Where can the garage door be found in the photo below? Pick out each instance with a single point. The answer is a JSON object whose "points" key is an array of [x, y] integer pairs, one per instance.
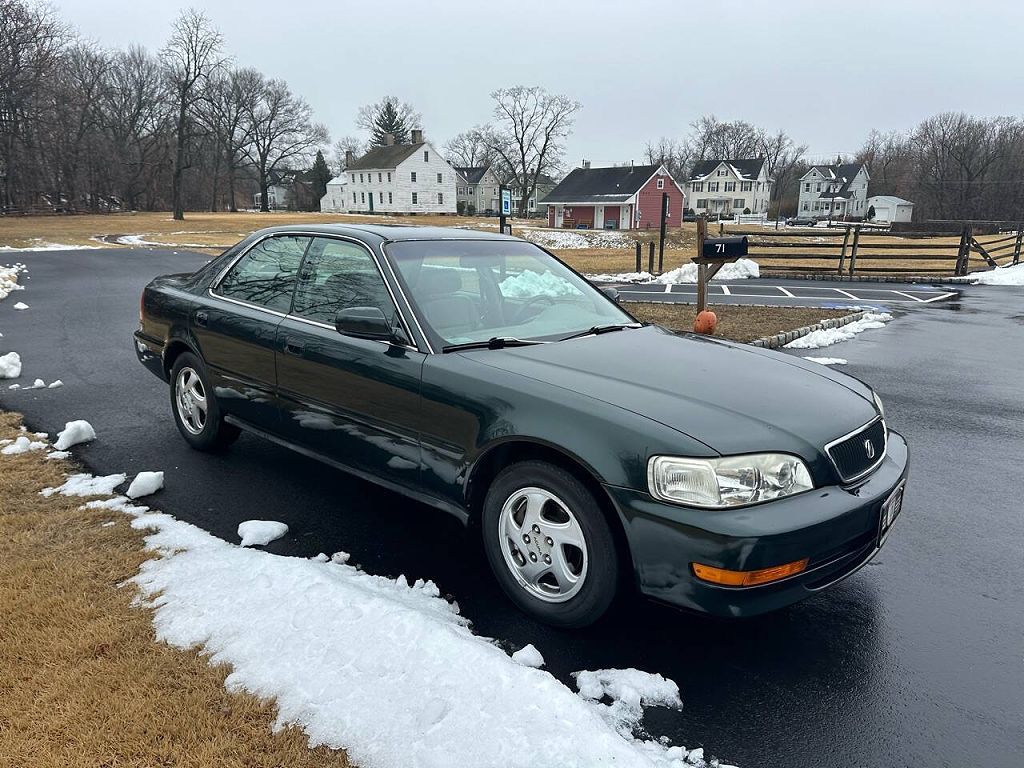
{"points": [[883, 213]]}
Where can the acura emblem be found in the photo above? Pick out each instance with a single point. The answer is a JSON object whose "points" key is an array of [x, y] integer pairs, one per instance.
{"points": [[869, 449]]}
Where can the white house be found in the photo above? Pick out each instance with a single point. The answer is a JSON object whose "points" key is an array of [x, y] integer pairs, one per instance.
{"points": [[401, 178], [834, 191], [889, 208], [335, 200], [728, 187]]}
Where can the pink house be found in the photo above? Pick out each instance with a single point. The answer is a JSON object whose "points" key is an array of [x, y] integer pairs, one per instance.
{"points": [[627, 197]]}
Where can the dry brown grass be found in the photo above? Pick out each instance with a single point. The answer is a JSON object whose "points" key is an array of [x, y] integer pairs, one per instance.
{"points": [[739, 323], [82, 680]]}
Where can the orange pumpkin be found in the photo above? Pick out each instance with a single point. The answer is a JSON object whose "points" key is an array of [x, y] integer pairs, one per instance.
{"points": [[706, 322]]}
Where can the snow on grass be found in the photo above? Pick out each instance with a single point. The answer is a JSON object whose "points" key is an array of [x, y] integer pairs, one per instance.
{"points": [[84, 484], [575, 239], [144, 484], [742, 269], [1010, 275], [139, 241], [10, 365], [528, 284], [528, 656], [21, 305], [825, 337], [58, 454], [258, 533], [9, 280], [74, 432], [41, 245], [23, 445], [827, 360]]}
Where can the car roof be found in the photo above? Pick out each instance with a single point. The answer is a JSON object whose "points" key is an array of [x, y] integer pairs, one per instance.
{"points": [[380, 233]]}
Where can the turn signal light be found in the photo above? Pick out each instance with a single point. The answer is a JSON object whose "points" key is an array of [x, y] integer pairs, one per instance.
{"points": [[728, 578]]}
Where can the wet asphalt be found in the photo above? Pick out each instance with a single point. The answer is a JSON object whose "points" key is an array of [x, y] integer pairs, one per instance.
{"points": [[918, 660]]}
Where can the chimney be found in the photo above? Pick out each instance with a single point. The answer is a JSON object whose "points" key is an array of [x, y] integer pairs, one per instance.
{"points": [[349, 158], [389, 139], [417, 135], [586, 165]]}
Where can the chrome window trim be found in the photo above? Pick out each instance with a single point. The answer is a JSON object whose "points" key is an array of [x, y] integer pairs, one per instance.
{"points": [[356, 241], [329, 327], [405, 298], [847, 436]]}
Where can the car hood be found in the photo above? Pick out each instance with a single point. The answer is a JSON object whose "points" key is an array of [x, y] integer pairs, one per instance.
{"points": [[734, 398]]}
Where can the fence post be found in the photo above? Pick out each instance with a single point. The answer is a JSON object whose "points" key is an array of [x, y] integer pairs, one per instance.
{"points": [[639, 256], [963, 253], [842, 255], [1017, 244], [853, 248], [650, 258]]}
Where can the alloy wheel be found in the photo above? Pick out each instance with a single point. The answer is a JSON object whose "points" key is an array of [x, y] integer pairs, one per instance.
{"points": [[190, 400]]}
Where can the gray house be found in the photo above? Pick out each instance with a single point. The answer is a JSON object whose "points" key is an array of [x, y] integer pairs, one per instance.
{"points": [[536, 205], [477, 187]]}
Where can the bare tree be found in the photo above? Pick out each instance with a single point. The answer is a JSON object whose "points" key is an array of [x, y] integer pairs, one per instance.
{"points": [[388, 116], [342, 147], [675, 155], [231, 98], [470, 149], [282, 131], [712, 139], [190, 58], [528, 135]]}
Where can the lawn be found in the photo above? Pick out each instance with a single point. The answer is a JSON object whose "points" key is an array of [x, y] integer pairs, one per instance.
{"points": [[83, 681], [738, 323]]}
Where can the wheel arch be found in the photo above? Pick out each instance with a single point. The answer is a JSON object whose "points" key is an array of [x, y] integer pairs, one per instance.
{"points": [[174, 349]]}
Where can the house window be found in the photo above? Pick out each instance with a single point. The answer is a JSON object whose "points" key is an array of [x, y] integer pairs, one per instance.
{"points": [[353, 178], [807, 187], [413, 177], [440, 198], [355, 198], [458, 191], [439, 180], [661, 183], [698, 186], [702, 203], [712, 186], [389, 177], [381, 196], [414, 198], [380, 177], [362, 197], [389, 198], [806, 206], [818, 189], [746, 186], [722, 172], [471, 190], [730, 186], [426, 156], [739, 203], [360, 178]]}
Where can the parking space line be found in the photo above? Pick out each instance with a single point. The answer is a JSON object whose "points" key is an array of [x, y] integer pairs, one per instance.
{"points": [[939, 297], [847, 294], [785, 292], [901, 293], [725, 291], [668, 288]]}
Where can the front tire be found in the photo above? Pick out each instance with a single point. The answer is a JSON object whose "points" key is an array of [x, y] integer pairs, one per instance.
{"points": [[195, 408], [549, 544]]}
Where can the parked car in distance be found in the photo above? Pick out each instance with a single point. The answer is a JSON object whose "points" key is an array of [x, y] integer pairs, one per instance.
{"points": [[801, 221], [479, 374]]}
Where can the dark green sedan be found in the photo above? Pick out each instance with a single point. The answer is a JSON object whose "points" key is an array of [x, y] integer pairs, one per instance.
{"points": [[479, 374]]}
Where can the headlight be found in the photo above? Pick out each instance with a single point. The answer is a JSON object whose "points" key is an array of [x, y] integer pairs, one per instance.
{"points": [[878, 404], [730, 481]]}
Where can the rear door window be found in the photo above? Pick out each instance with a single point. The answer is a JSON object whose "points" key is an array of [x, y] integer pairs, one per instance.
{"points": [[267, 274]]}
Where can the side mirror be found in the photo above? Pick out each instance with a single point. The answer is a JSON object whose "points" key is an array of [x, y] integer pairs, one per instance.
{"points": [[611, 293], [364, 323]]}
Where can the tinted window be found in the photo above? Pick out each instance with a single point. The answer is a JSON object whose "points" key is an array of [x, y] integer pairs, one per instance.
{"points": [[338, 275], [266, 275]]}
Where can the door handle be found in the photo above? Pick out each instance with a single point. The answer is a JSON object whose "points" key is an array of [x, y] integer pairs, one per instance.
{"points": [[201, 317], [293, 347]]}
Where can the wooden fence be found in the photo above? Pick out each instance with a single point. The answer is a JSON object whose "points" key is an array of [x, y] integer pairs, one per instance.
{"points": [[863, 250]]}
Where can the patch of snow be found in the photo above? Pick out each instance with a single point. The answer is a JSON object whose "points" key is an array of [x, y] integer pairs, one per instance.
{"points": [[108, 524], [144, 484], [14, 386], [58, 454], [23, 445], [828, 336], [528, 656], [258, 533], [118, 504], [1010, 275], [21, 305], [827, 360], [575, 239], [622, 277], [44, 246], [84, 484], [37, 384], [741, 269], [528, 284], [629, 690], [74, 432], [55, 384], [9, 280], [10, 365], [140, 241]]}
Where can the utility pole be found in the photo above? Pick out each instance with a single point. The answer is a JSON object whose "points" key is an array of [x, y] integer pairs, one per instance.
{"points": [[661, 245]]}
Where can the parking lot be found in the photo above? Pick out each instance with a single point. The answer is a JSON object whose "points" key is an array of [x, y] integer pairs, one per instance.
{"points": [[915, 661]]}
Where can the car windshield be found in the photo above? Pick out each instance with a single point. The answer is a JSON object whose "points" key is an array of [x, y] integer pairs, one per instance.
{"points": [[475, 290]]}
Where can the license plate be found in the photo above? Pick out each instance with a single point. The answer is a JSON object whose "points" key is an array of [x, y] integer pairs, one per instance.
{"points": [[891, 509]]}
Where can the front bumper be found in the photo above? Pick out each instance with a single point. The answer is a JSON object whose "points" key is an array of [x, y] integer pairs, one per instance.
{"points": [[836, 527]]}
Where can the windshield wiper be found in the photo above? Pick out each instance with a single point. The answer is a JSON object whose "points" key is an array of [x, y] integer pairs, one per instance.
{"points": [[495, 342], [599, 329]]}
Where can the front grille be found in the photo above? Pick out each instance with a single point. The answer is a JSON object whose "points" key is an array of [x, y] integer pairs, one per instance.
{"points": [[853, 458]]}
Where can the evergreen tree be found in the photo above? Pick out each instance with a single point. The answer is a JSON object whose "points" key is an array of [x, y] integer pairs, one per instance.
{"points": [[389, 115], [319, 176]]}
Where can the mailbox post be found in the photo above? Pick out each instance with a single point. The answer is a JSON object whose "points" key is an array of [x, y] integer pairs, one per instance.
{"points": [[712, 253]]}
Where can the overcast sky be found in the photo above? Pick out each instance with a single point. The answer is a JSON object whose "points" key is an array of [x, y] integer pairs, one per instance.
{"points": [[825, 72]]}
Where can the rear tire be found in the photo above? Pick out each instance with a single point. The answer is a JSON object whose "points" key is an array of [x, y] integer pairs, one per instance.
{"points": [[549, 544], [196, 411]]}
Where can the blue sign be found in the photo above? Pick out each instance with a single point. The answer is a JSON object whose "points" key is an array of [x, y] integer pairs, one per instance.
{"points": [[506, 202]]}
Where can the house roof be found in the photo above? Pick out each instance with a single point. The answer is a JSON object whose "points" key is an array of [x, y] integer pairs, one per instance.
{"points": [[843, 172], [601, 185], [888, 200], [384, 157], [338, 180], [748, 168], [472, 174]]}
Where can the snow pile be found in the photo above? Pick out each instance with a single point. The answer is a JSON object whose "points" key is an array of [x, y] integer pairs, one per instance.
{"points": [[74, 432], [528, 656], [1011, 275], [827, 360], [9, 280], [574, 239], [741, 269], [144, 484], [630, 690], [827, 336], [622, 277], [21, 305], [22, 445], [84, 484], [10, 365], [41, 245], [58, 454], [528, 284], [259, 533], [55, 384]]}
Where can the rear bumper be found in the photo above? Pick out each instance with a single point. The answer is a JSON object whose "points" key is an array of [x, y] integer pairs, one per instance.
{"points": [[150, 352], [836, 528]]}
